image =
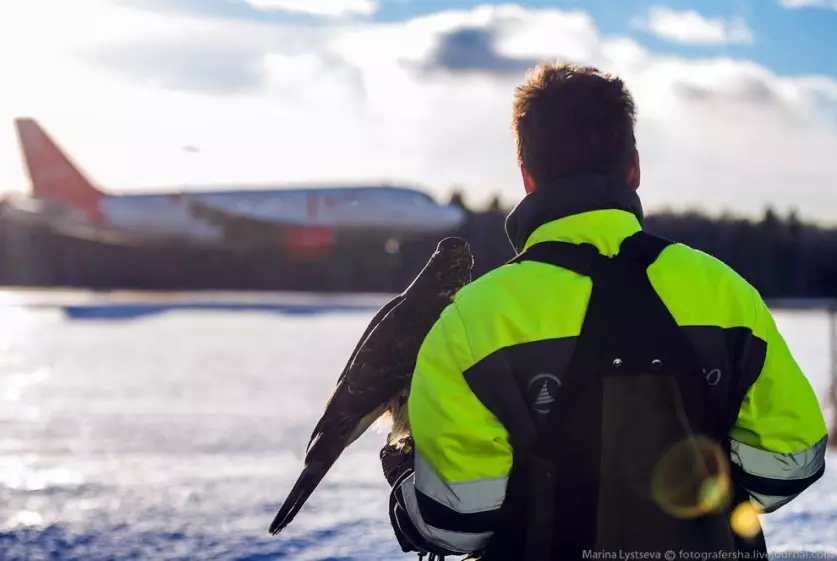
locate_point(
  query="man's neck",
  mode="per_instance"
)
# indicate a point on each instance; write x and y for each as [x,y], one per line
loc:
[566,197]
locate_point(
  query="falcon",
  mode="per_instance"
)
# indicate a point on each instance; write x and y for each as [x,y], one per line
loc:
[376,379]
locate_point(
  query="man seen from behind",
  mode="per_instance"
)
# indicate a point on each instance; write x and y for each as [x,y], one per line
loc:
[607,390]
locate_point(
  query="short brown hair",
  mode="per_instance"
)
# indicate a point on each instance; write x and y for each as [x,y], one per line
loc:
[572,119]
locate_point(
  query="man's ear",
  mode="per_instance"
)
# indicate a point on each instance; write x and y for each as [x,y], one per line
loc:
[634,173]
[528,181]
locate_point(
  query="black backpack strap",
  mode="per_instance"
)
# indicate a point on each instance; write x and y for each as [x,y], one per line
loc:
[643,248]
[579,258]
[535,476]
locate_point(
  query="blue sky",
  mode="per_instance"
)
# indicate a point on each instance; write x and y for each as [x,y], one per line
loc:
[800,40]
[737,98]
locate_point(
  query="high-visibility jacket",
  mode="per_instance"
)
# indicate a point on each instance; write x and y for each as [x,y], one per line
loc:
[526,318]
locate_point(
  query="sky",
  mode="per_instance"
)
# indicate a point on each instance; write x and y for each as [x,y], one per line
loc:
[737,99]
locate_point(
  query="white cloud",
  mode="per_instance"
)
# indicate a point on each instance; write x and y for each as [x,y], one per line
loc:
[325,8]
[808,4]
[690,27]
[386,101]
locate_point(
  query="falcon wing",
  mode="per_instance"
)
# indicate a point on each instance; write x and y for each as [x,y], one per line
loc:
[371,383]
[386,362]
[357,405]
[337,400]
[373,323]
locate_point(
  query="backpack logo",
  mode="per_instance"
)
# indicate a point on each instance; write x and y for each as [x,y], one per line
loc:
[542,391]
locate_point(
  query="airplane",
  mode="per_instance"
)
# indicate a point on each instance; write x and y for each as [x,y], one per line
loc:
[301,216]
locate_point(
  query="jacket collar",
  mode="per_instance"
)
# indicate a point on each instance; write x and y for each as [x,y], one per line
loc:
[568,197]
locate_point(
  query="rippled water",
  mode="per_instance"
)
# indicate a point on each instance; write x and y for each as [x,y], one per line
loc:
[176,436]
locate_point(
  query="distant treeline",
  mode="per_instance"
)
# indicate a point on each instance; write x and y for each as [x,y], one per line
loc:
[781,256]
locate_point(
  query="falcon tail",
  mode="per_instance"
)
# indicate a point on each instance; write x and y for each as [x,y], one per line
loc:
[304,486]
[325,448]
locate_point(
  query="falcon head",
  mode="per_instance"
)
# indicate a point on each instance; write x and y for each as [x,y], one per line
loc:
[451,264]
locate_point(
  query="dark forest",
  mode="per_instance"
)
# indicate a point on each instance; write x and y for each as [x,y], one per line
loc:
[782,256]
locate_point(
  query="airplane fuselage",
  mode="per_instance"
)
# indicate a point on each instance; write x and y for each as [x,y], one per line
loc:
[398,211]
[63,193]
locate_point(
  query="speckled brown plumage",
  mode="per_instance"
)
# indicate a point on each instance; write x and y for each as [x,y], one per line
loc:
[376,379]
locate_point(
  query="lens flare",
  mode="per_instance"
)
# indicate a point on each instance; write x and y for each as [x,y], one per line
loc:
[692,479]
[745,520]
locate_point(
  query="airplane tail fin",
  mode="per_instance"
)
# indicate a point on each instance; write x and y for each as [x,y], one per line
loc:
[54,176]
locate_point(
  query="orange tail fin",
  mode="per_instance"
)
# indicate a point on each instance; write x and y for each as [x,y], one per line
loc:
[54,176]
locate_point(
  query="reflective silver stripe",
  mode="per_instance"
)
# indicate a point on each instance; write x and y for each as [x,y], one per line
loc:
[783,467]
[453,541]
[467,497]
